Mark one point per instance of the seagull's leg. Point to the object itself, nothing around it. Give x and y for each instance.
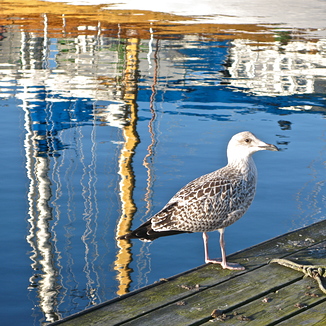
(207, 260)
(232, 266)
(222, 262)
(205, 238)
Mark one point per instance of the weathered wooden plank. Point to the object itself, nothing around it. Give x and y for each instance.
(274, 306)
(228, 295)
(314, 316)
(168, 293)
(282, 304)
(241, 289)
(151, 299)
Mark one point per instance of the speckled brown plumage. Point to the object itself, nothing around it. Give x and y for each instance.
(212, 201)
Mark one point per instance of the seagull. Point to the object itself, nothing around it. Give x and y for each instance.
(211, 202)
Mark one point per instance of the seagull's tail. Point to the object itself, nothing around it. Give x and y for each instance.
(146, 233)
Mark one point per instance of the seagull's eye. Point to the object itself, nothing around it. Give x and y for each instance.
(247, 140)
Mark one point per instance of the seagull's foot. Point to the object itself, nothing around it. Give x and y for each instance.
(225, 265)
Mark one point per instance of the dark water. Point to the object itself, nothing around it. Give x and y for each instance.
(99, 130)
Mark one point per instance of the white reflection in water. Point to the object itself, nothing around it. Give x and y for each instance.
(90, 215)
(296, 67)
(45, 278)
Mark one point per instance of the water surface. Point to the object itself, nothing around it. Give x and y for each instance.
(104, 116)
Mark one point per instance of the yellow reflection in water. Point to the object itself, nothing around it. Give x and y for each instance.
(127, 182)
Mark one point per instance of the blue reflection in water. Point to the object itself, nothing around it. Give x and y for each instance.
(105, 146)
(48, 118)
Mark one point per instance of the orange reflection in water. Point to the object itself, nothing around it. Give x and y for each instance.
(64, 20)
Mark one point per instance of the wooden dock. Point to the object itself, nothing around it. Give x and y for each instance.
(263, 294)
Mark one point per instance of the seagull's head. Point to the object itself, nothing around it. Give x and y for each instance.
(244, 144)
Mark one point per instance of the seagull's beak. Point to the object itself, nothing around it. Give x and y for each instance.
(269, 147)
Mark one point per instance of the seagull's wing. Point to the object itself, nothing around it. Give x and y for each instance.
(204, 204)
